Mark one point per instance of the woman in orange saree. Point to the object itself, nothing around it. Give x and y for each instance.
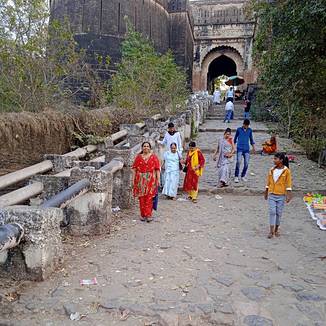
(146, 176)
(195, 162)
(270, 146)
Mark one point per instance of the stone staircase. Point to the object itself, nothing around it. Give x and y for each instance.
(217, 112)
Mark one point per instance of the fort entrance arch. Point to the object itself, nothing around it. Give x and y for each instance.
(223, 42)
(220, 61)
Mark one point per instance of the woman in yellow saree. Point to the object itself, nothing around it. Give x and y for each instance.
(195, 162)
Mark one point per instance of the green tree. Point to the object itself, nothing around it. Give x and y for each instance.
(147, 82)
(38, 59)
(289, 52)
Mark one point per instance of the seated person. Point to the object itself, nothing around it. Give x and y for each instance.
(270, 147)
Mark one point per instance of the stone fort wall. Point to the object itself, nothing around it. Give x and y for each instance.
(99, 25)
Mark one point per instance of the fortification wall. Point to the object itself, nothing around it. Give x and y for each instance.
(99, 25)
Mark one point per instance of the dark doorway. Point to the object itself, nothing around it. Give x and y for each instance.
(222, 65)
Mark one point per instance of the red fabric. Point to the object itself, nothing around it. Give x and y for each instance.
(191, 178)
(145, 175)
(269, 148)
(145, 184)
(146, 206)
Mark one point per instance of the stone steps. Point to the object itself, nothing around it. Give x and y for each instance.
(223, 129)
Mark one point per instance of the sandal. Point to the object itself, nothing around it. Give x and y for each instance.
(194, 201)
(149, 219)
(270, 236)
(277, 234)
(143, 219)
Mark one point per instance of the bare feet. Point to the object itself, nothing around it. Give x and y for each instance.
(270, 236)
(277, 233)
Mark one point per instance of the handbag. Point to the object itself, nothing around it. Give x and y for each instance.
(155, 202)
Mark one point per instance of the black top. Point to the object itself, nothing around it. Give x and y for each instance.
(247, 107)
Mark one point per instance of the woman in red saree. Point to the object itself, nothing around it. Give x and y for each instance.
(146, 169)
(195, 162)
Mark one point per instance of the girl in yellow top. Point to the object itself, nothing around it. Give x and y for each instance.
(278, 191)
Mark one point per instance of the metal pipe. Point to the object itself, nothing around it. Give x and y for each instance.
(10, 235)
(64, 197)
(20, 175)
(20, 195)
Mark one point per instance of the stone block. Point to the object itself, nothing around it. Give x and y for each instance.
(40, 252)
(52, 185)
(89, 214)
(127, 155)
(60, 162)
(101, 181)
(122, 189)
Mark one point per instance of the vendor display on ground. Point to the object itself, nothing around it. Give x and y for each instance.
(316, 204)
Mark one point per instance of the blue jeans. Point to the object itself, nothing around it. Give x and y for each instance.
(228, 114)
(246, 115)
(276, 205)
(246, 157)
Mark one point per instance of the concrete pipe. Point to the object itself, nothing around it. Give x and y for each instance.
(115, 165)
(20, 175)
(10, 235)
(82, 152)
(22, 194)
(118, 135)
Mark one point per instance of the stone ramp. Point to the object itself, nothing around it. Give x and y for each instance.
(200, 264)
(203, 264)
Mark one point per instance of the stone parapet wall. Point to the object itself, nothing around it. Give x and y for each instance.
(88, 211)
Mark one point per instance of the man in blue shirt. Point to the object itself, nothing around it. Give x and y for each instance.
(242, 138)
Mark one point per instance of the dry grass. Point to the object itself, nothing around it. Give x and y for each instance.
(25, 137)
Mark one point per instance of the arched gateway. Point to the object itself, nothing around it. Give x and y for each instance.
(222, 60)
(223, 42)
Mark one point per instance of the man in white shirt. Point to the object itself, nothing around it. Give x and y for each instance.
(230, 94)
(172, 136)
(229, 107)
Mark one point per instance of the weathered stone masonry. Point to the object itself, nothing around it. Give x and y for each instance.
(99, 25)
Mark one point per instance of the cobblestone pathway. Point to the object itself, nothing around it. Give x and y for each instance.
(197, 264)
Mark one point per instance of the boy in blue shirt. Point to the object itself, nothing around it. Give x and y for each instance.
(242, 138)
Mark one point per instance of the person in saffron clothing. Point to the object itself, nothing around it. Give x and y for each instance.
(146, 176)
(270, 146)
(195, 162)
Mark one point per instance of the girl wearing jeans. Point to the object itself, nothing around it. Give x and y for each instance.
(278, 191)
